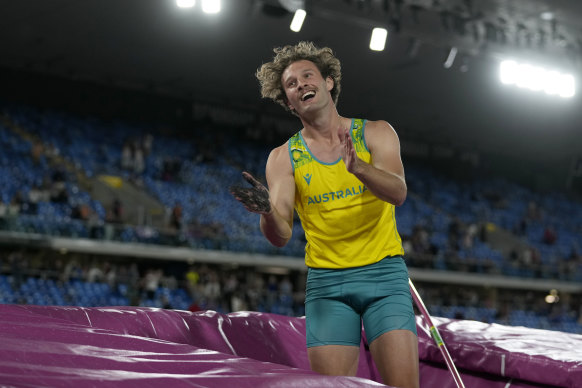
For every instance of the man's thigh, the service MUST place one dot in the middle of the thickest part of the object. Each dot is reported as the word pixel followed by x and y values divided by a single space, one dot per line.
pixel 335 360
pixel 331 322
pixel 395 354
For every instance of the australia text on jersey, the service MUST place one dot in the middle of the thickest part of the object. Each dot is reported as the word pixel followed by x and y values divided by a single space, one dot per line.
pixel 336 195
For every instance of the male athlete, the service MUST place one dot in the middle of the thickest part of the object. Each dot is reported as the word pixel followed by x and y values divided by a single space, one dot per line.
pixel 344 177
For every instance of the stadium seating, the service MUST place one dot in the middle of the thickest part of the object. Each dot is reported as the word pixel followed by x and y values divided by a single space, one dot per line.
pixel 200 185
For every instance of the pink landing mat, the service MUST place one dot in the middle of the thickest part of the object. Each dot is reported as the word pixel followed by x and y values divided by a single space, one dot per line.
pixel 45 346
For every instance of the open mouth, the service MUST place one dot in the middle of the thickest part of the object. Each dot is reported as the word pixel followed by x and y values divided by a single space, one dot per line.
pixel 308 96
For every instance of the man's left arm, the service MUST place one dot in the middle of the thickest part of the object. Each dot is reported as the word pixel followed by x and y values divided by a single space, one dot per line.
pixel 385 176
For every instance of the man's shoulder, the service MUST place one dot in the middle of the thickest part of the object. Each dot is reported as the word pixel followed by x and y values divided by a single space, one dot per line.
pixel 280 149
pixel 380 124
pixel 279 156
pixel 379 127
pixel 379 132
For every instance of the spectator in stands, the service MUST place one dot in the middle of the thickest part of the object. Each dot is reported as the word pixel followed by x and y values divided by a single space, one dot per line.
pixel 342 181
pixel 272 288
pixel 95 225
pixel 285 286
pixel 13 211
pixel 36 152
pixel 194 306
pixel 533 211
pixel 59 175
pixel 212 291
pixel 110 271
pixel 84 213
pixel 151 282
pixel 18 262
pixel 127 156
pixel 36 195
pixel 229 288
pixel 9 213
pixel 133 280
pixel 171 168
pixel 484 232
pixel 549 236
pixel 115 212
pixel 254 290
pixel 574 262
pixel 58 191
pixel 193 282
pixel 459 315
pixel 147 142
pixel 17 202
pixel 3 212
pixel 138 160
pixel 81 212
pixel 237 301
pixel 455 232
pixel 95 273
pixel 470 234
pixel 176 217
pixel 72 271
pixel 419 240
pixel 166 304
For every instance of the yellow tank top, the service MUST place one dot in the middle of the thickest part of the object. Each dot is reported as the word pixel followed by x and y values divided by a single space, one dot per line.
pixel 345 224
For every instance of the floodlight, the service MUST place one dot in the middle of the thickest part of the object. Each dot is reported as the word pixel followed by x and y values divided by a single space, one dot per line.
pixel 568 86
pixel 211 6
pixel 508 72
pixel 450 58
pixel 378 39
pixel 298 19
pixel 185 3
pixel 537 79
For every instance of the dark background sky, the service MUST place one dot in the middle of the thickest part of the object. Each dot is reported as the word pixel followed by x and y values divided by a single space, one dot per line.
pixel 154 48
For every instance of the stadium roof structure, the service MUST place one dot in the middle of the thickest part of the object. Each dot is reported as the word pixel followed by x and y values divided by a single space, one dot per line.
pixel 157 47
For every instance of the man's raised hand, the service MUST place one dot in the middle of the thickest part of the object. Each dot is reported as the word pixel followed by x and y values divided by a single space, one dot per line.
pixel 256 198
pixel 347 150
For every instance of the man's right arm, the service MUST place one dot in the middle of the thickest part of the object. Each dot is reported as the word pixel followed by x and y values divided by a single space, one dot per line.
pixel 277 225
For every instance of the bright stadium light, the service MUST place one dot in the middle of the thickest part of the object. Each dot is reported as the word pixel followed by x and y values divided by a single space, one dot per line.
pixel 568 86
pixel 537 79
pixel 211 6
pixel 185 3
pixel 450 58
pixel 378 39
pixel 508 72
pixel 298 19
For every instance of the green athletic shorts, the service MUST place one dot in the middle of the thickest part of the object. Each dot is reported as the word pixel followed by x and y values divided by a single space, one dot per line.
pixel 337 301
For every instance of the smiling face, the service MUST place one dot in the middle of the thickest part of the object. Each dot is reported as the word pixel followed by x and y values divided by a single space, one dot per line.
pixel 305 88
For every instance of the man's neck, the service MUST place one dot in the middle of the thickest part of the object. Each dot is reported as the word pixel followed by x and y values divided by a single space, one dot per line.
pixel 324 126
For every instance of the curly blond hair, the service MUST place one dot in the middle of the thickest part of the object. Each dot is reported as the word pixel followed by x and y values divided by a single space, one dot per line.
pixel 269 74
